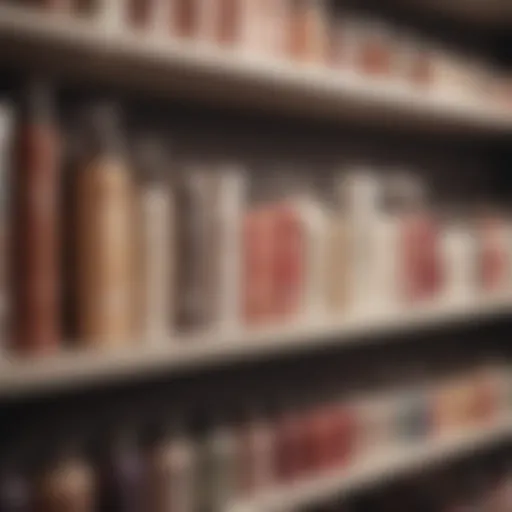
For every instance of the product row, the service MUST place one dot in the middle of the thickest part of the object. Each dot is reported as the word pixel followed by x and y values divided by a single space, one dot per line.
pixel 109 245
pixel 484 485
pixel 236 457
pixel 309 31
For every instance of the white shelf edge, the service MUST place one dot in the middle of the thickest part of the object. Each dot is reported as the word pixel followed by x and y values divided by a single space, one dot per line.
pixel 380 469
pixel 240 73
pixel 77 369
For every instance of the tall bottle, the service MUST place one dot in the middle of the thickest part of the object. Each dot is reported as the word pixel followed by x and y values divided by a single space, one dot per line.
pixel 105 242
pixel 195 204
pixel 156 214
pixel 35 230
pixel 6 132
pixel 229 203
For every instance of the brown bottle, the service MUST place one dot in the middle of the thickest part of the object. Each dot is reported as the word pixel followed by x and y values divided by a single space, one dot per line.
pixel 66 486
pixel 105 240
pixel 35 231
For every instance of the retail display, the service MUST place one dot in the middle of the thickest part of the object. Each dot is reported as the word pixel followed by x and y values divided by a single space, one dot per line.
pixel 309 32
pixel 222 279
pixel 242 457
pixel 162 248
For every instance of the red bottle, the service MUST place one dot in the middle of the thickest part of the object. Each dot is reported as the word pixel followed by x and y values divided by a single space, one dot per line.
pixel 290 444
pixel 289 262
pixel 36 231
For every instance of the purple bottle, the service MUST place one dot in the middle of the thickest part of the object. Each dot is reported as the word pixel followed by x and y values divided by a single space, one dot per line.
pixel 123 476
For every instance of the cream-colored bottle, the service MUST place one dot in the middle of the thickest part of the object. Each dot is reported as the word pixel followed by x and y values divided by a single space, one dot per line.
pixel 156 232
pixel 105 240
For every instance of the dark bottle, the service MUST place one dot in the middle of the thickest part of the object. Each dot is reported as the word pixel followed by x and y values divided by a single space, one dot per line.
pixel 122 478
pixel 35 233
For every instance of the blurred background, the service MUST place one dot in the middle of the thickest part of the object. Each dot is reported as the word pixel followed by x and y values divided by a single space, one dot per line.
pixel 255 255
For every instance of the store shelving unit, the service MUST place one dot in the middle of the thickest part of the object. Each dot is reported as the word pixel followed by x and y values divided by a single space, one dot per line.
pixel 76 370
pixel 82 50
pixel 378 469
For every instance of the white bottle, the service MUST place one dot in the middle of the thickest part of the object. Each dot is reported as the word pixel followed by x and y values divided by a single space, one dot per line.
pixel 458 254
pixel 360 191
pixel 156 214
pixel 229 208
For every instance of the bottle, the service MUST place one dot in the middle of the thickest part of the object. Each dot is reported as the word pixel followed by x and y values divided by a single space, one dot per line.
pixel 67 485
pixel 291 432
pixel 220 465
pixel 418 242
pixel 195 241
pixel 105 243
pixel 6 136
pixel 256 447
pixel 307 30
pixel 173 472
pixel 337 257
pixel 493 259
pixel 258 254
pixel 360 193
pixel 122 484
pixel 35 230
pixel 155 220
pixel 229 204
pixel 458 253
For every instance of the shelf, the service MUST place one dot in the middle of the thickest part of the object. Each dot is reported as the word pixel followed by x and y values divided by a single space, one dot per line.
pixel 193 353
pixel 379 469
pixel 83 51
